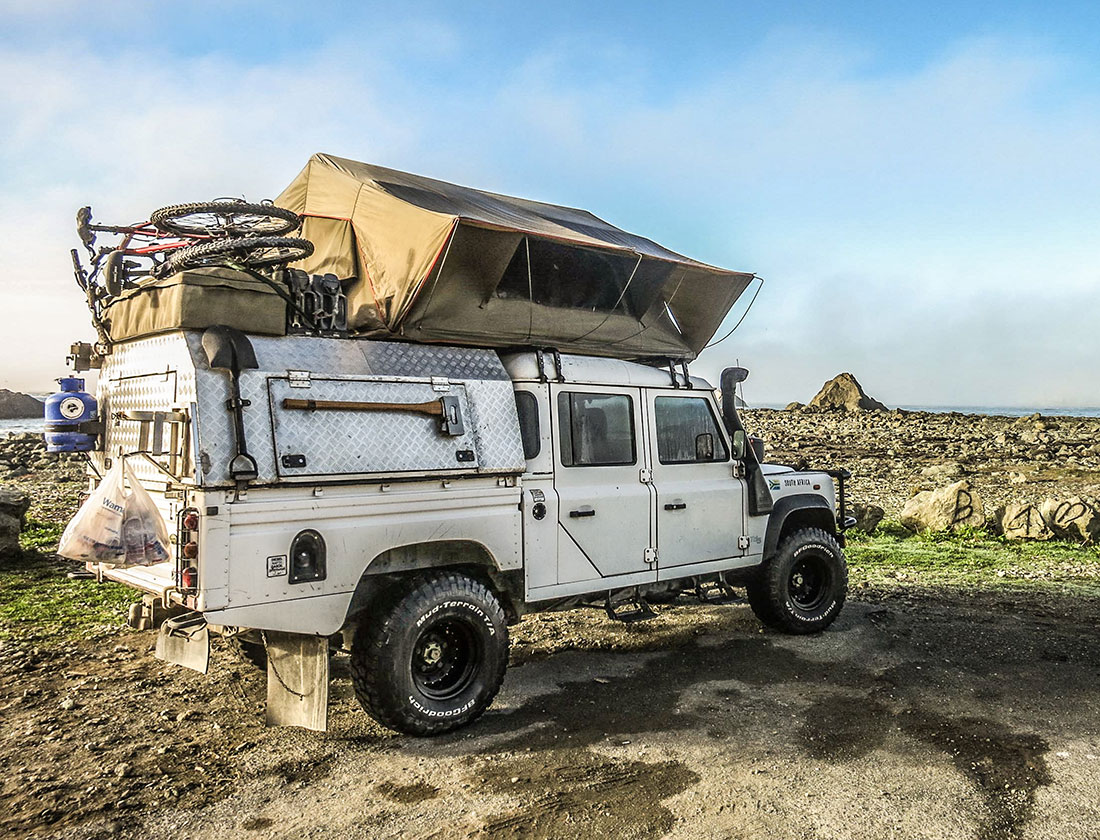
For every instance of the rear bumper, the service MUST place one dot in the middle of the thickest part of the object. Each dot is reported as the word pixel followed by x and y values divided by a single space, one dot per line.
pixel 158 580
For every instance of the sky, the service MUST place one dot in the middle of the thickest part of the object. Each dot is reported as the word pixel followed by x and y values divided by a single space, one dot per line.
pixel 918 184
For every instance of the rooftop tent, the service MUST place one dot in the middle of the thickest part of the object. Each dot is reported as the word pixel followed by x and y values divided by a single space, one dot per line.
pixel 437 262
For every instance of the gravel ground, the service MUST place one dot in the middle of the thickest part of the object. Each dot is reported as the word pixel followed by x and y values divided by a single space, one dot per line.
pixel 922 713
pixel 919 714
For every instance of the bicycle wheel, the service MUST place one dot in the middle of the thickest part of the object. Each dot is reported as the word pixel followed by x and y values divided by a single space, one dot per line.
pixel 248 252
pixel 225 217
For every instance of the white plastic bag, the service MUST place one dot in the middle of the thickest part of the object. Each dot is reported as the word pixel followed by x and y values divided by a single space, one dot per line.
pixel 144 535
pixel 115 527
pixel 94 535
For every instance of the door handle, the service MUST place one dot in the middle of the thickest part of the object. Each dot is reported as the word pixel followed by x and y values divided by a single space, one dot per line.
pixel 581 512
pixel 676 506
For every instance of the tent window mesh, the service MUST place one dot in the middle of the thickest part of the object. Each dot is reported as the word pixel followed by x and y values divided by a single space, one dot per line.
pixel 568 277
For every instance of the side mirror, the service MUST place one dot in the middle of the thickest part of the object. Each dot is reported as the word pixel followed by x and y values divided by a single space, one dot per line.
pixel 704 447
pixel 740 443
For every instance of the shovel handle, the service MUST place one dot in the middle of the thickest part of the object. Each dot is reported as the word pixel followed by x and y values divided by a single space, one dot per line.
pixel 432 408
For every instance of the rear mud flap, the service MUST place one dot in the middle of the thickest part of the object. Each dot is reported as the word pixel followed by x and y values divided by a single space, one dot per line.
pixel 297 680
pixel 185 640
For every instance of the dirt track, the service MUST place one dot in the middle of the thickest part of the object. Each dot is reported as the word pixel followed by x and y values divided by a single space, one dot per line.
pixel 911 718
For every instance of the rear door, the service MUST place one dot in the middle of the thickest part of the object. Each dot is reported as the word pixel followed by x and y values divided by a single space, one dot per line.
pixel 700 504
pixel 603 505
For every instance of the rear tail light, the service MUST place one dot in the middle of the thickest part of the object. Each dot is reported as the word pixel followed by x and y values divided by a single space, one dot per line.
pixel 187 548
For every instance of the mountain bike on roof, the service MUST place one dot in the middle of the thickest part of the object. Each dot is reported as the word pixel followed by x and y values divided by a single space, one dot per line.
pixel 224 232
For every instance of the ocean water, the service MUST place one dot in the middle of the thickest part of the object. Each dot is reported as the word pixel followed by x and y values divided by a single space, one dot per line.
pixel 28 424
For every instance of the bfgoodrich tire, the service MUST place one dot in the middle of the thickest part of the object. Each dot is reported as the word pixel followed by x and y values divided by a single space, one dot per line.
pixel 802 587
pixel 432 657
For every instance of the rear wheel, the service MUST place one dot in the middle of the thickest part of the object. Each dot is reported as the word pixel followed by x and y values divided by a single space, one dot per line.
pixel 432 658
pixel 802 587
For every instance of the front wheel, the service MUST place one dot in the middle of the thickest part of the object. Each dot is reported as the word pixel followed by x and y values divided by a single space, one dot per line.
pixel 802 587
pixel 433 657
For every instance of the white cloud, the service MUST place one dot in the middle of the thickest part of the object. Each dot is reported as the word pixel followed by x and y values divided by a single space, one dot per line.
pixel 190 130
pixel 931 231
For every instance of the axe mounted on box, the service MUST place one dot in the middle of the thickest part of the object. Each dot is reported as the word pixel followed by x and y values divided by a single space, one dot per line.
pixel 446 408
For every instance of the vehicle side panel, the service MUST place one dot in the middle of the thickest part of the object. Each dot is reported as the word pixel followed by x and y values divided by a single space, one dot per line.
pixel 357 523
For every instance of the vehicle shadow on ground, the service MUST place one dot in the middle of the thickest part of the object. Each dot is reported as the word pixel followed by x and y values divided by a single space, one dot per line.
pixel 900 682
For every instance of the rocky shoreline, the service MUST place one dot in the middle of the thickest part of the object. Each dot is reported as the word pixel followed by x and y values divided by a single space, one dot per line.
pixel 892 456
pixel 49 483
pixel 895 454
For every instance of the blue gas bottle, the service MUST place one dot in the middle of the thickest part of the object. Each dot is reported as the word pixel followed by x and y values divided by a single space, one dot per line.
pixel 70 414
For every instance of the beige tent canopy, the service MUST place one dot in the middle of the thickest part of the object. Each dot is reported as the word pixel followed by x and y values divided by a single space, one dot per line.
pixel 437 262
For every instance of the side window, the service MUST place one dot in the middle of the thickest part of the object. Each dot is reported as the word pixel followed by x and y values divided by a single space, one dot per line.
pixel 597 430
pixel 527 406
pixel 687 432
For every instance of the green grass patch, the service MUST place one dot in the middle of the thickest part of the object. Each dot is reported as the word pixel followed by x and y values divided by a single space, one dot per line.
pixel 38 603
pixel 40 536
pixel 970 558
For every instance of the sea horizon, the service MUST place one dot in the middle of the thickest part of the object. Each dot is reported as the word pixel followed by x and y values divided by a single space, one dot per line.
pixel 986 410
pixel 38 425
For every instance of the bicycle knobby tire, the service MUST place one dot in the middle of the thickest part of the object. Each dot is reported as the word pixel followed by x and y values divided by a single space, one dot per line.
pixel 229 218
pixel 246 251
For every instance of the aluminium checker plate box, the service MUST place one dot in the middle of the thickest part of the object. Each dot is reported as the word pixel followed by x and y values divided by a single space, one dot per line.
pixel 317 442
pixel 488 409
pixel 149 374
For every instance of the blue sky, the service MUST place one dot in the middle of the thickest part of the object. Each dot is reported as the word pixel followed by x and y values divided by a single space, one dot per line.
pixel 918 183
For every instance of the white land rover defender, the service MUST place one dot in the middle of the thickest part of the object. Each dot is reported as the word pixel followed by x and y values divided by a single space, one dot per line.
pixel 364 485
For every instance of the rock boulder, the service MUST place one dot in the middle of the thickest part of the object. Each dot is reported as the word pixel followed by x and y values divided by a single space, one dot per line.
pixel 944 472
pixel 867 516
pixel 1023 521
pixel 844 393
pixel 13 509
pixel 955 506
pixel 1072 519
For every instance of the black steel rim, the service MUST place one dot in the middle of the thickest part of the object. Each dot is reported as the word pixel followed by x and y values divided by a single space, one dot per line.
pixel 809 582
pixel 445 659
